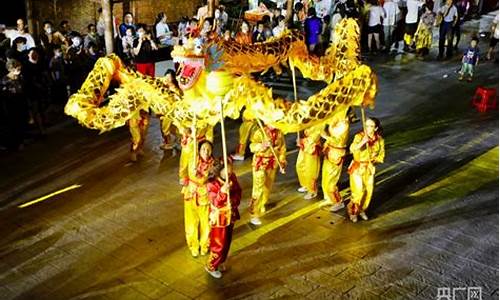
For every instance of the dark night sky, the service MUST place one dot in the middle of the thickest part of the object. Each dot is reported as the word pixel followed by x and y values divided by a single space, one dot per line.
pixel 15 10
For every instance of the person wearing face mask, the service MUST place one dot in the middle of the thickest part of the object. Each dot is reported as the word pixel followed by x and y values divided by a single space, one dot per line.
pixel 51 39
pixel 20 31
pixel 14 105
pixel 18 50
pixel 77 62
pixel 144 51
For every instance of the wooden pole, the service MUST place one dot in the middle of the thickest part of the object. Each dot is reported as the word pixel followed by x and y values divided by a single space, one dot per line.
pixel 289 11
pixel 195 140
pixel 211 8
pixel 363 119
pixel 224 155
pixel 107 13
pixel 223 132
pixel 29 17
pixel 292 68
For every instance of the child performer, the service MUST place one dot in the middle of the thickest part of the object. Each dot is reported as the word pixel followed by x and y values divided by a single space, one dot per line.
pixel 196 202
pixel 187 148
pixel 222 220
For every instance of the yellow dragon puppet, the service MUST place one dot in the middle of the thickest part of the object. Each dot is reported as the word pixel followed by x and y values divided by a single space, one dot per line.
pixel 220 72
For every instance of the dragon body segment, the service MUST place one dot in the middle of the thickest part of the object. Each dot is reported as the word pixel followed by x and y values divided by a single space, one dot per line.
pixel 219 73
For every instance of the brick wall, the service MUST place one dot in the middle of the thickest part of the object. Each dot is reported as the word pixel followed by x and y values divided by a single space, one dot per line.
pixel 80 13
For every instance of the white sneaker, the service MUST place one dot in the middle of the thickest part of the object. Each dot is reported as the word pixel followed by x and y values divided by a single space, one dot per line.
pixel 310 196
pixel 214 274
pixel 337 206
pixel 194 253
pixel 353 218
pixel 363 216
pixel 255 221
pixel 237 157
pixel 301 189
pixel 325 202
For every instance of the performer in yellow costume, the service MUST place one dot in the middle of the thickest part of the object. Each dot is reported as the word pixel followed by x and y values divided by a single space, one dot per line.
pixel 187 148
pixel 264 166
pixel 308 161
pixel 167 127
pixel 368 148
pixel 334 150
pixel 196 203
pixel 246 129
pixel 138 127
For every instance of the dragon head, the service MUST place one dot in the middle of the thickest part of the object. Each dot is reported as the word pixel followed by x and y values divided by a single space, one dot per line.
pixel 192 59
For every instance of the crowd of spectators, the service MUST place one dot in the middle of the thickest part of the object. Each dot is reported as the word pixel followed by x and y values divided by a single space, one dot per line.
pixel 38 75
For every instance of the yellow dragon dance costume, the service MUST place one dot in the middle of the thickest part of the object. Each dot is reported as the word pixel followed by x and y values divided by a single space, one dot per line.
pixel 308 159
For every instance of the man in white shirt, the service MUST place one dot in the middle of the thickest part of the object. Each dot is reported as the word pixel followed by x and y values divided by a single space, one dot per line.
pixel 163 33
pixel 20 31
pixel 202 13
pixel 391 17
pixel 411 20
pixel 449 15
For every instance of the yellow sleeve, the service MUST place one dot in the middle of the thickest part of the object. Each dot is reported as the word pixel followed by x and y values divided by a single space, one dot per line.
pixel 255 141
pixel 379 157
pixel 282 149
pixel 355 143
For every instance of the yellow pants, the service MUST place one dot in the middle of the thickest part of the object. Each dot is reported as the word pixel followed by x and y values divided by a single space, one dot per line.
pixel 330 177
pixel 246 129
pixel 167 129
pixel 308 170
pixel 138 128
pixel 361 182
pixel 408 39
pixel 197 227
pixel 187 152
pixel 262 183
